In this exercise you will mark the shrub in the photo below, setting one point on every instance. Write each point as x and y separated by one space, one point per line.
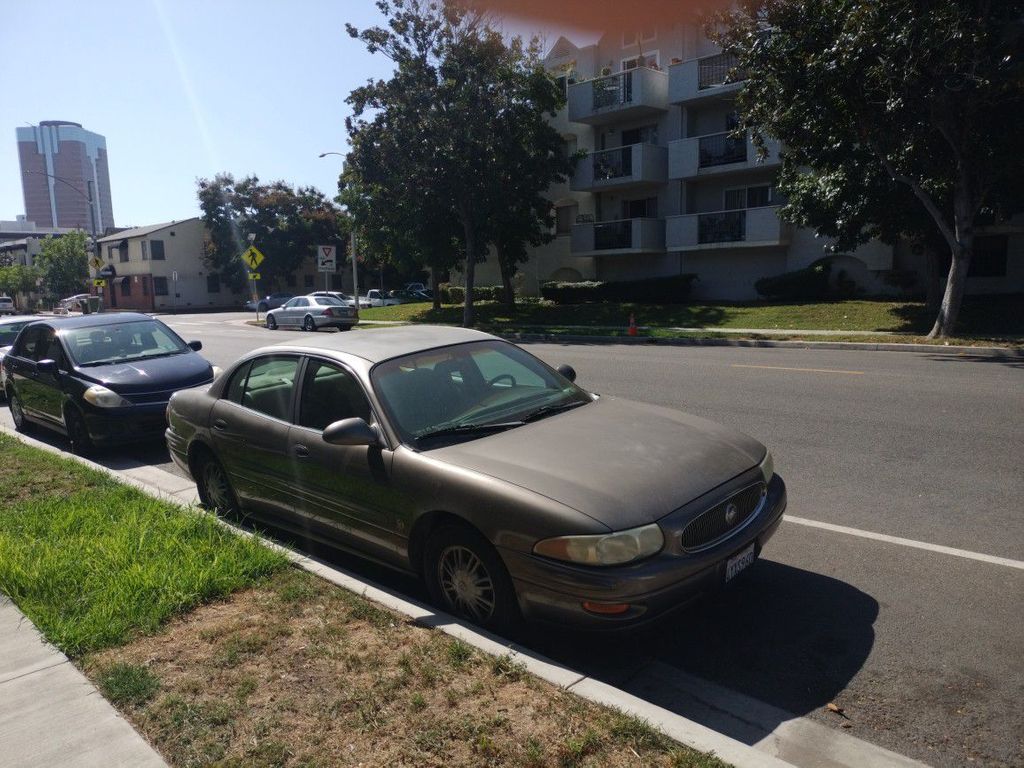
811 282
655 290
456 294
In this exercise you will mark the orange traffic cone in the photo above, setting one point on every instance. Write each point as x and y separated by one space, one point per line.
632 325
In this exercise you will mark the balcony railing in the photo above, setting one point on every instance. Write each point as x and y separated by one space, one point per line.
621 167
613 234
720 69
634 92
614 90
721 149
637 235
722 227
613 163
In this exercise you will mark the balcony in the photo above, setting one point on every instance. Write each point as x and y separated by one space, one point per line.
748 228
709 76
626 236
621 168
717 154
624 95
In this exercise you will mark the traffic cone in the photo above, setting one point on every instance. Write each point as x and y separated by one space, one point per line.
632 325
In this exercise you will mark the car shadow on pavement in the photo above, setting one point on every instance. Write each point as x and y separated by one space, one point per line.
1010 361
788 640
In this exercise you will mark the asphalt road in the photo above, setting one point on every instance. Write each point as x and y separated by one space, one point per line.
921 647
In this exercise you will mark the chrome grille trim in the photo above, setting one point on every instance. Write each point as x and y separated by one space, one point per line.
706 530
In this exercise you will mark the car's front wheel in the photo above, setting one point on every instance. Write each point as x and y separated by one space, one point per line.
78 433
215 491
17 412
271 323
465 576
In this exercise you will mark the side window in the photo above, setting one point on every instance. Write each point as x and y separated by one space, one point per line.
49 348
329 394
28 341
236 387
270 386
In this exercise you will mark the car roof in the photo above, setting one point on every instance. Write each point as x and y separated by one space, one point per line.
90 321
7 320
385 343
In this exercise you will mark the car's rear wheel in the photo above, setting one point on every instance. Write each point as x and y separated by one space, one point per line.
271 323
309 324
465 576
17 412
215 489
78 433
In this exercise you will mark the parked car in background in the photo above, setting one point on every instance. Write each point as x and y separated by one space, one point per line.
10 327
100 379
378 298
313 312
462 458
271 301
414 287
75 303
7 305
408 297
363 303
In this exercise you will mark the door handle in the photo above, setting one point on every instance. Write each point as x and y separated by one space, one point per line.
220 424
301 451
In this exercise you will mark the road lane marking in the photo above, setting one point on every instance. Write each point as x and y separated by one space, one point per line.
981 557
806 370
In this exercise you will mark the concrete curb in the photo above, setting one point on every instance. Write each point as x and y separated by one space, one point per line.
168 487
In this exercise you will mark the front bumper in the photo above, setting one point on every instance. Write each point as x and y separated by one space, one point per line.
552 591
120 426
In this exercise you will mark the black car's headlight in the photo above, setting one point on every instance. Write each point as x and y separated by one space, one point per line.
604 548
767 467
102 397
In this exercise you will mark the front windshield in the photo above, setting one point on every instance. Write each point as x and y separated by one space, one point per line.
137 340
9 332
467 386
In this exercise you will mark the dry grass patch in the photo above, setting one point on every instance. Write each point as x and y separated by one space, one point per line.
296 672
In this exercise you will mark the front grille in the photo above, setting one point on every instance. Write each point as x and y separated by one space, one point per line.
711 526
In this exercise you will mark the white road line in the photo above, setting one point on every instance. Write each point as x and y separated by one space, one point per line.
804 370
992 559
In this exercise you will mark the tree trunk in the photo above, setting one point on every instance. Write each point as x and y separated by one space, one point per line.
434 290
933 279
508 295
470 235
949 310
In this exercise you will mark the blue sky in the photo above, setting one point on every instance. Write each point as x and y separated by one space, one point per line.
183 89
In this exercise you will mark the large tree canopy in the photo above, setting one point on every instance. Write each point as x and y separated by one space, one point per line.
456 137
899 117
64 263
288 224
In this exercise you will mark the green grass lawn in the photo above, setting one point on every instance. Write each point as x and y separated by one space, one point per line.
92 562
989 317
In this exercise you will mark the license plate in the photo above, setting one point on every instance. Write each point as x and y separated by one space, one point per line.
737 563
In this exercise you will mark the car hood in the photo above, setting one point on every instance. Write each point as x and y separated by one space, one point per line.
158 374
620 462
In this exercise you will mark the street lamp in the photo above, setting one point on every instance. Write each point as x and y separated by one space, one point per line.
352 244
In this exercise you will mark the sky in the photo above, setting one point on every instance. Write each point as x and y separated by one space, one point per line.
184 89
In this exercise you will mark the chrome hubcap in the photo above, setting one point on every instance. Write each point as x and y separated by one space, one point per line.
217 489
465 582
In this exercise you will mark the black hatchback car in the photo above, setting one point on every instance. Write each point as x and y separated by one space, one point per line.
100 379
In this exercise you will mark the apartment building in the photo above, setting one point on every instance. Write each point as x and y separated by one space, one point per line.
665 188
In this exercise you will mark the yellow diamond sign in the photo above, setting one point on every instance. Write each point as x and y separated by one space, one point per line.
252 257
96 262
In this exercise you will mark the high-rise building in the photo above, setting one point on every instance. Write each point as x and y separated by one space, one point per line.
65 176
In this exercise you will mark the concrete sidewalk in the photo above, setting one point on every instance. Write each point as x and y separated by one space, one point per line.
50 714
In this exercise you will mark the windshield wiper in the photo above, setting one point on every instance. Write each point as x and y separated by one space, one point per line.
547 410
470 429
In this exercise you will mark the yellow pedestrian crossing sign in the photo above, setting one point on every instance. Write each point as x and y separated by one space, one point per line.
252 257
96 262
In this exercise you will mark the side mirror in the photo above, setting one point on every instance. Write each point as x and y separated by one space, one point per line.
353 431
568 371
47 366
195 346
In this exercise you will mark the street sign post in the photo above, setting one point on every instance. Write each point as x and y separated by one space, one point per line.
98 283
254 276
96 262
253 258
326 262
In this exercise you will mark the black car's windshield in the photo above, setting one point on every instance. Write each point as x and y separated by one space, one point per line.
117 342
470 390
9 332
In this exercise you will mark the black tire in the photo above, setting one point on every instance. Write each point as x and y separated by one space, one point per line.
17 412
309 324
262 307
488 597
214 486
271 323
78 434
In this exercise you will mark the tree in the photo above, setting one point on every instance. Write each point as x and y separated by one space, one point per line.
900 118
17 279
287 223
463 113
64 263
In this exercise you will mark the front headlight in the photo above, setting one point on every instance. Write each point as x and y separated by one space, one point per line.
102 397
768 467
604 548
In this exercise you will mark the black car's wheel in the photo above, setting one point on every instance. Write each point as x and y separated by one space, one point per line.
271 323
465 576
309 324
215 489
17 412
262 307
78 434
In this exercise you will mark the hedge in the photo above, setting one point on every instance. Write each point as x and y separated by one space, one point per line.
655 290
811 282
456 294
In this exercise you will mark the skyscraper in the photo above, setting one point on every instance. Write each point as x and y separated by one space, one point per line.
64 176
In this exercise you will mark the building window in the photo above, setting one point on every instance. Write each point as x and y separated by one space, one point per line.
145 286
989 259
651 60
307 281
122 251
126 286
565 215
156 249
213 283
110 252
159 286
289 280
634 36
145 250
749 197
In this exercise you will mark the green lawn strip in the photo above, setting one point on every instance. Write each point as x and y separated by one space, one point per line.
92 562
